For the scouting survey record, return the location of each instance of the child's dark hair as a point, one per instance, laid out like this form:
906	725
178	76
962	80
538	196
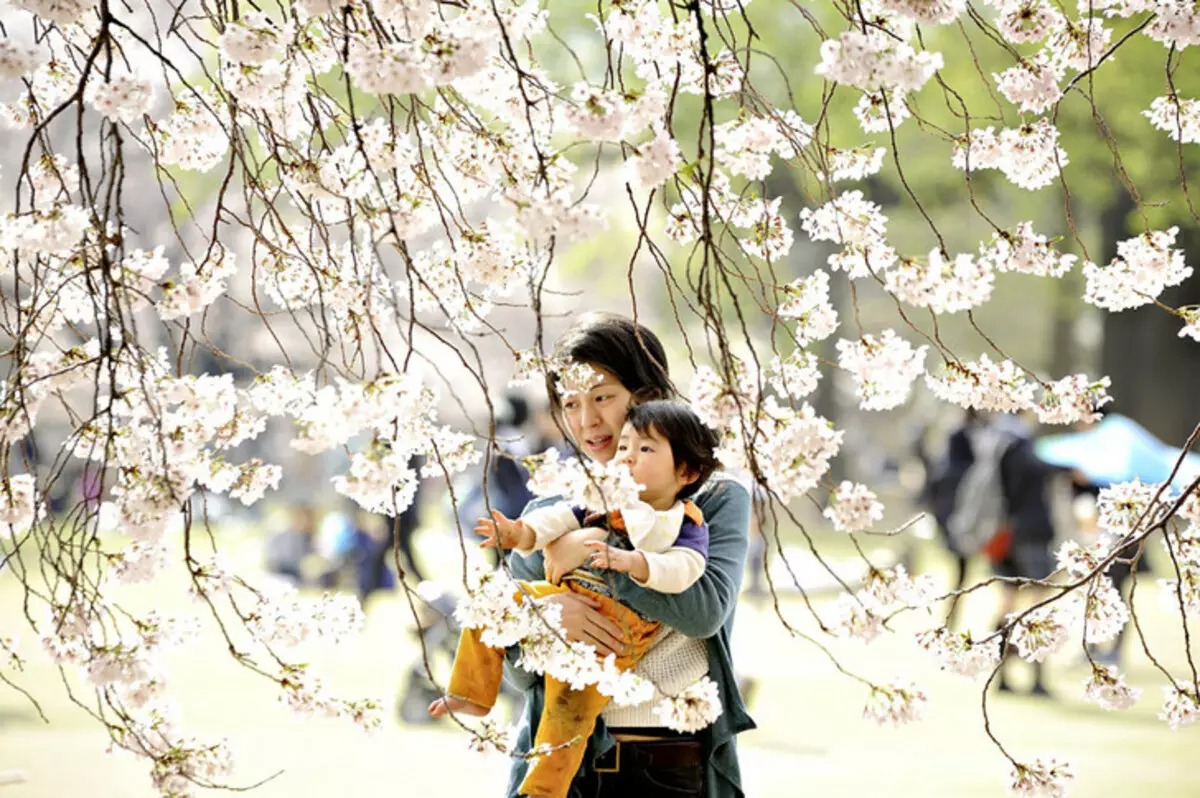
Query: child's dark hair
693	443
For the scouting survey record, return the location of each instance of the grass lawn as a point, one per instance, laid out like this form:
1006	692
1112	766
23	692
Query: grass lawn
811	740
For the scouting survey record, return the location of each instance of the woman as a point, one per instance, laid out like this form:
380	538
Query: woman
630	754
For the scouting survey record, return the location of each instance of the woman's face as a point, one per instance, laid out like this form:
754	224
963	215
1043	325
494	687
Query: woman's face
595	418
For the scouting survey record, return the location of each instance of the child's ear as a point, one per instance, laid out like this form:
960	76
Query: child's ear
688	475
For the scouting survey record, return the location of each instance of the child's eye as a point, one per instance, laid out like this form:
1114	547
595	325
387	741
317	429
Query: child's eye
647	449
571	405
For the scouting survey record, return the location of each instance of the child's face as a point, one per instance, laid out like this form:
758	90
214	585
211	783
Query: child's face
649	457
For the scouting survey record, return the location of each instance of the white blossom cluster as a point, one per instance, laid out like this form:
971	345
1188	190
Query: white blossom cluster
794	375
1102	609
1129	507
1041	779
853	507
745	144
16	59
1145	266
881	111
1033	85
1040	633
1183	593
1181	707
859	616
303	692
1025	252
883	368
792	448
1178	117
895	704
1107	688
959	653
193	137
872	60
1028	155
859	226
123	98
808	305
1191	326
582	482
20	506
693	709
1003	387
198	286
856	163
943	285
769	234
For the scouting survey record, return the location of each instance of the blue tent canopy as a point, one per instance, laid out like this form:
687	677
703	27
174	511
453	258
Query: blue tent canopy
1118	449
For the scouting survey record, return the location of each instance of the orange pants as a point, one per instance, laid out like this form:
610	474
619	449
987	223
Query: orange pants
568	716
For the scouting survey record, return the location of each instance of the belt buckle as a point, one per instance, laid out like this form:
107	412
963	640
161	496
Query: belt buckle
616	757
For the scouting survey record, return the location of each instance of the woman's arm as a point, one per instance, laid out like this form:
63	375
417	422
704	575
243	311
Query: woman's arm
702	609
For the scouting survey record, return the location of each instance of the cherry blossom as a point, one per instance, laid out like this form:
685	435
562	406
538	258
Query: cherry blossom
1040	633
1041	779
808	306
693	709
883	368
958	653
1107	688
872	61
1145	266
895	704
1181	706
853	507
1178	117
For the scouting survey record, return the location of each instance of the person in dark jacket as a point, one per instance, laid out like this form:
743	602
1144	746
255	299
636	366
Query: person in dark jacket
1023	479
941	490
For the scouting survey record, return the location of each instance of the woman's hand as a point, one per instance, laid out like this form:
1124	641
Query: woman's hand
567	553
582	621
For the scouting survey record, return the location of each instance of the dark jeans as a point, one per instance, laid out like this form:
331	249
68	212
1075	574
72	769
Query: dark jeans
680	782
640	777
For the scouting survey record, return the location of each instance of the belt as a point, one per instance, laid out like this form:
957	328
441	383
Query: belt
644	754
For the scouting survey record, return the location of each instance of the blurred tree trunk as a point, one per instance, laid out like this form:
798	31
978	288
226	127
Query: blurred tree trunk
1064	354
1155	373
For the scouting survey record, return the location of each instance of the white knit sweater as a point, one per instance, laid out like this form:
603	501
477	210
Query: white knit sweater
673	663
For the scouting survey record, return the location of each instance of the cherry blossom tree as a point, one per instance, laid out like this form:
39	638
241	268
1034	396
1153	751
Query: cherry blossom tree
371	185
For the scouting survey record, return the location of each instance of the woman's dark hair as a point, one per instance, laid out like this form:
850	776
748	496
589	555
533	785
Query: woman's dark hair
612	342
693	443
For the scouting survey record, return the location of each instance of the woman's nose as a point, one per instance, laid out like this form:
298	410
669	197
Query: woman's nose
588	416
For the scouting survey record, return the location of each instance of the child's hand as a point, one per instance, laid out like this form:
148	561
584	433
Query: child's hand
503	533
614	559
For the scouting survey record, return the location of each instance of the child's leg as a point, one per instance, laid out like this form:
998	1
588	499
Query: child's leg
479	669
569	714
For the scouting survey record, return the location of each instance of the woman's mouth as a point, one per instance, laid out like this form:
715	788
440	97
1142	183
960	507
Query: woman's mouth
598	444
